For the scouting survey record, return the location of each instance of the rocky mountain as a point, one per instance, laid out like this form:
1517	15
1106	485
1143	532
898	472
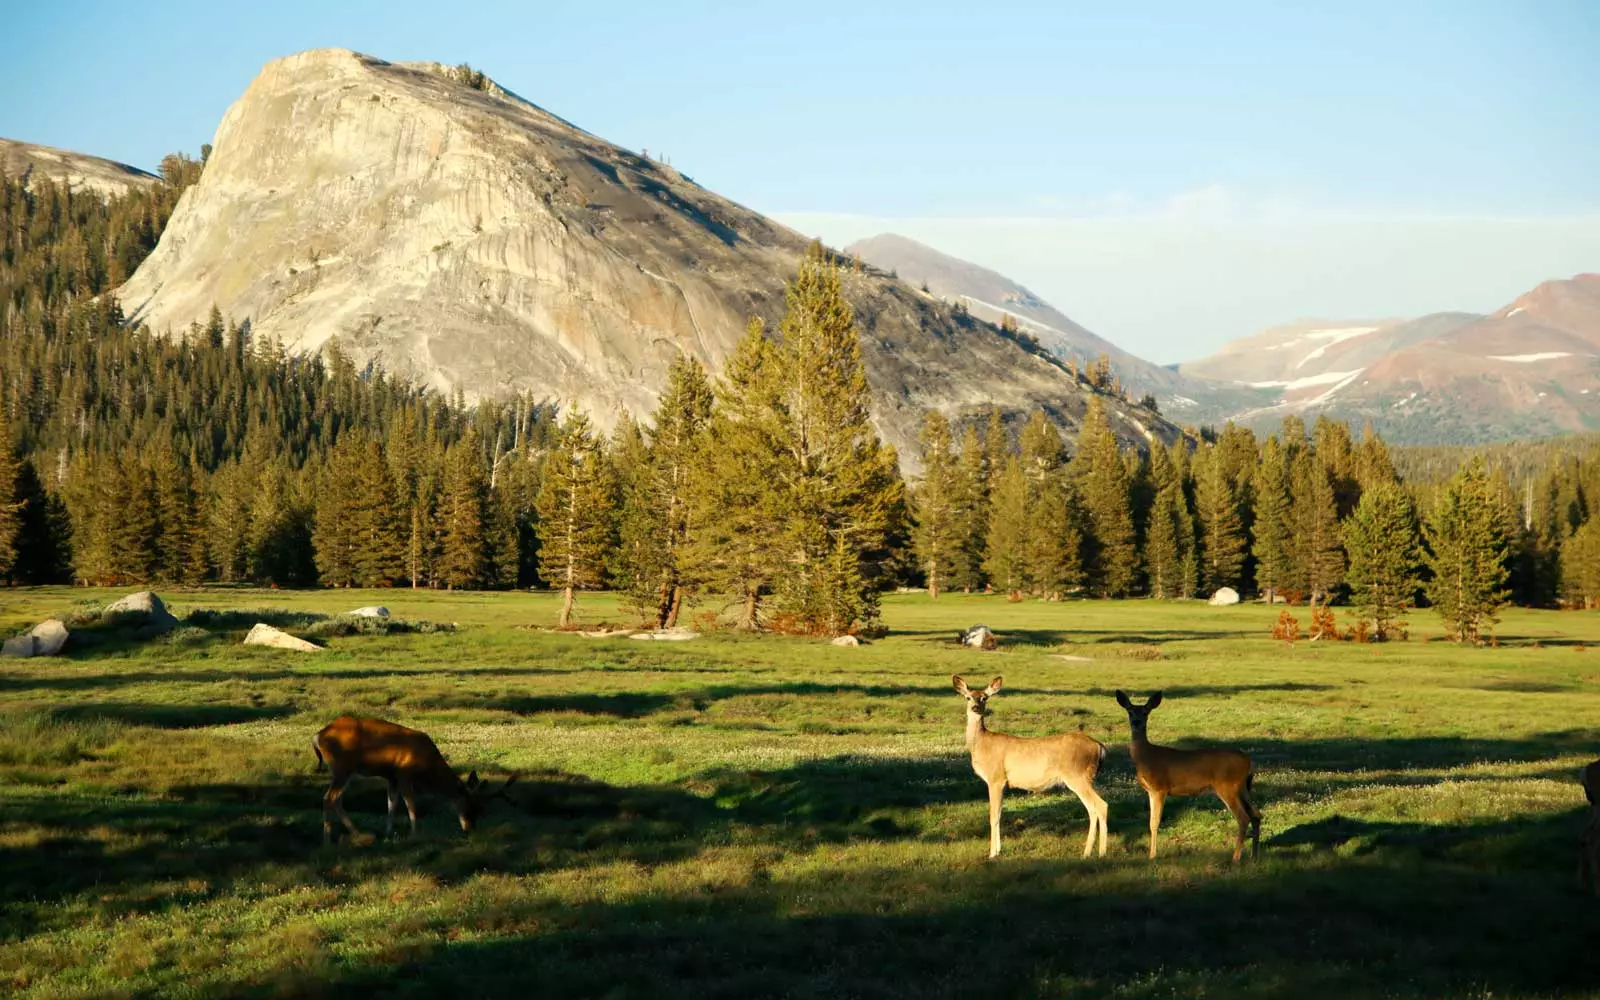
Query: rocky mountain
1531	368
80	171
460	235
1184	398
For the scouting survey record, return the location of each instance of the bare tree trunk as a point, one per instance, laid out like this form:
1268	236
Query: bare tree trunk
751	598
676	606
566	606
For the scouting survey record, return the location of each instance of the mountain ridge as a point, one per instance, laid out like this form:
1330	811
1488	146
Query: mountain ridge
468	238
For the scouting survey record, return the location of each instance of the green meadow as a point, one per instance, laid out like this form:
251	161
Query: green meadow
740	816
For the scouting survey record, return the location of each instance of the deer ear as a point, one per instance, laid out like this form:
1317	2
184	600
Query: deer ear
1122	699
472	780
1155	700
960	685
995	685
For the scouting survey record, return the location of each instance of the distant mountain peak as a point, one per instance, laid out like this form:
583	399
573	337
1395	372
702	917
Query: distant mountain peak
77	170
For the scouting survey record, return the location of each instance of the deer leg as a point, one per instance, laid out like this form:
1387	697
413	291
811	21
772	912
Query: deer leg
1097	809
332	800
1231	799
411	803
394	800
997	791
1157	800
1255	824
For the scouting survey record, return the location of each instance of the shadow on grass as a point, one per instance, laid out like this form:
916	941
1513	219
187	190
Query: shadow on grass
1381	925
170	716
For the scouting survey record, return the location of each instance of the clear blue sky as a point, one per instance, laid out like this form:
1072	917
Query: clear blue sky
908	112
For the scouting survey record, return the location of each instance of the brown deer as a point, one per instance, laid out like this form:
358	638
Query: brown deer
1589	840
405	758
1035	764
1167	771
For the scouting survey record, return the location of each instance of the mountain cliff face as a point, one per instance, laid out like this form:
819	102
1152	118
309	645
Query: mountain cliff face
466	238
77	170
990	295
1531	368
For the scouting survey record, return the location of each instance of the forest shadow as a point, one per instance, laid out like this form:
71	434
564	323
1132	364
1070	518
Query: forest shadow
1381	924
170	716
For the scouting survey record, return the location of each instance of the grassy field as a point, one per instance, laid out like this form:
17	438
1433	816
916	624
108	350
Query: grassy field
737	816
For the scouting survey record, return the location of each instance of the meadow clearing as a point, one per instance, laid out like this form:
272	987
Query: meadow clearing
742	816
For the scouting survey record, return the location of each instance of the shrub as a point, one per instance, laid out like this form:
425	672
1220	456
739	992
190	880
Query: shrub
1287	627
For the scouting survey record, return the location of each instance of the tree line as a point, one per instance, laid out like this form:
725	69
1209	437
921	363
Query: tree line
211	455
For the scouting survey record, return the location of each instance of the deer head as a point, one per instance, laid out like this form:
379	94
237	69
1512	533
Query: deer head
471	795
977	701
1138	715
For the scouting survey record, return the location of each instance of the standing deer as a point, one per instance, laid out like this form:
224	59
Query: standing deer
1167	771
1035	764
405	758
1589	840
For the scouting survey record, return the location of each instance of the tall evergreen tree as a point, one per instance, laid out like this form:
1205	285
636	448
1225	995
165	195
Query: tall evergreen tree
1101	483
576	514
1467	554
1383	541
1580	566
936	506
11	504
1274	526
841	488
733	545
1006	559
1167	533
1319	552
379	556
44	535
972	513
466	516
1222	541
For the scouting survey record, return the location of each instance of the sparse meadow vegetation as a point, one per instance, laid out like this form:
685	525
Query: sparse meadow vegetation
746	816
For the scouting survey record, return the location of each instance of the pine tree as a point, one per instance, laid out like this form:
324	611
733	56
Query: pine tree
1383	541
11	504
1101	481
44	536
733	544
840	487
1166	533
1319	552
936	506
1006	558
378	557
465	517
576	514
335	532
655	477
1467	554
1274	522
1053	531
972	513
1580	566
1222	542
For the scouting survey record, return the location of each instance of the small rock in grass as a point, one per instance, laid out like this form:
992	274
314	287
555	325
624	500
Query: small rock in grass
143	608
50	637
1225	596
265	635
372	612
846	640
19	646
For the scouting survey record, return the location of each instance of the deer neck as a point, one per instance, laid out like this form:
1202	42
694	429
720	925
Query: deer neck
1139	745
976	730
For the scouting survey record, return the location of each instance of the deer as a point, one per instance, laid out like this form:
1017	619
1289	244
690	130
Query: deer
1167	771
1589	839
1032	763
405	758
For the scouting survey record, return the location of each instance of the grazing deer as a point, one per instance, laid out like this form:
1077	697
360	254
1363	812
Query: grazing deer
1589	840
1167	771
405	758
1033	763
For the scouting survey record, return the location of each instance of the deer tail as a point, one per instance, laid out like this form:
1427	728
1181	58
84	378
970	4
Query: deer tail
322	765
